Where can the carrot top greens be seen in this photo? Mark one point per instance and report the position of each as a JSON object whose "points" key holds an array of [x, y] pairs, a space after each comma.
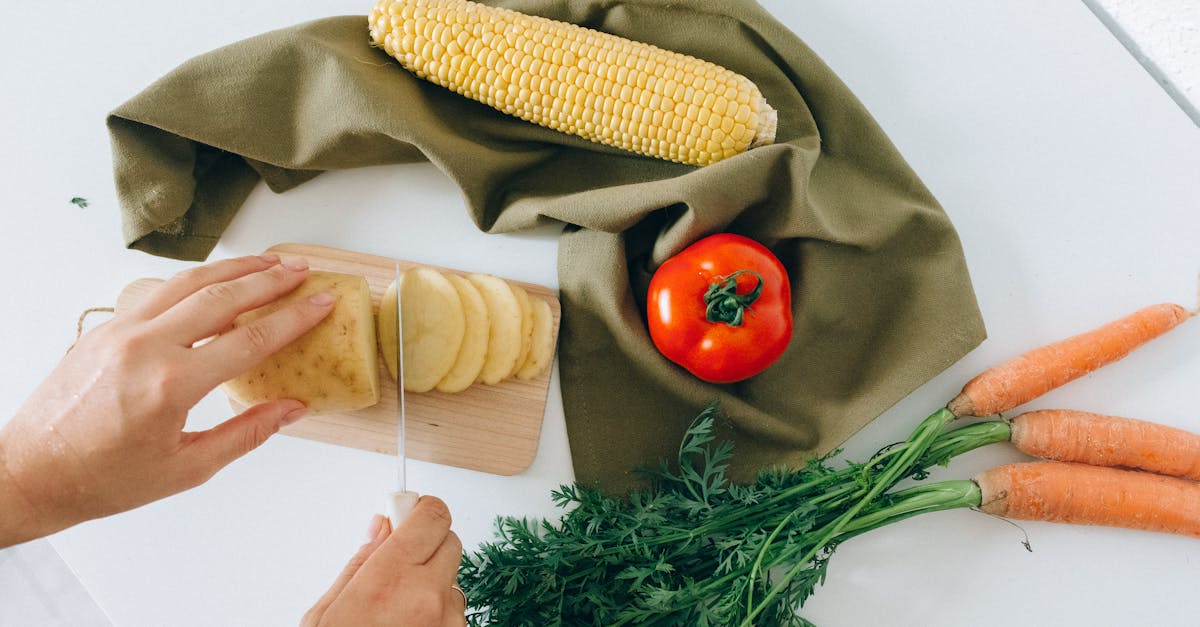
{"points": [[696, 549]]}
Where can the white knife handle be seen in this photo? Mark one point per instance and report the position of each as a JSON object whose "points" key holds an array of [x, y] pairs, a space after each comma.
{"points": [[400, 505]]}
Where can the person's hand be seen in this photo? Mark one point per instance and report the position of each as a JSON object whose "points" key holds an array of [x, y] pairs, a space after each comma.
{"points": [[104, 433], [399, 578]]}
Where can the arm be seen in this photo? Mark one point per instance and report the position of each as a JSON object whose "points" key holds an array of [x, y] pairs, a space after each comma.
{"points": [[104, 432], [19, 522]]}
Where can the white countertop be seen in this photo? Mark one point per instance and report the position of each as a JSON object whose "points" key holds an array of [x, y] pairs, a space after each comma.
{"points": [[1071, 176]]}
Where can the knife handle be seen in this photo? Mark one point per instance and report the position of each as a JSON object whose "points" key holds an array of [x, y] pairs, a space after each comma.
{"points": [[400, 505]]}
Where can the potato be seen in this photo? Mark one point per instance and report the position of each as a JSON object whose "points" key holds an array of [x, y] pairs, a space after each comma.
{"points": [[541, 350], [526, 326], [473, 352], [433, 323], [387, 329], [504, 340], [333, 367]]}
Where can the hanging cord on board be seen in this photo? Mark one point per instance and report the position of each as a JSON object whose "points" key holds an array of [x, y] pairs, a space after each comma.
{"points": [[82, 317]]}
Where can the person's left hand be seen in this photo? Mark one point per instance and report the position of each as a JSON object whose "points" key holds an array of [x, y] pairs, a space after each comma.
{"points": [[104, 433]]}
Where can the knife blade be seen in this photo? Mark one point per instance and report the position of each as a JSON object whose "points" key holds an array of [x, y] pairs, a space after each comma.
{"points": [[402, 501]]}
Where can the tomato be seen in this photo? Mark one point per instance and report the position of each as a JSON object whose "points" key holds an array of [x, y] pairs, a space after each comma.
{"points": [[721, 308]]}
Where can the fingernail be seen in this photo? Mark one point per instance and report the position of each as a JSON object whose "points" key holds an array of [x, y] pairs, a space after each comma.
{"points": [[375, 527], [293, 416], [271, 258], [295, 264], [322, 298]]}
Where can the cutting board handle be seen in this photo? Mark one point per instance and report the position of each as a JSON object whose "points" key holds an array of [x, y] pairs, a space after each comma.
{"points": [[135, 293]]}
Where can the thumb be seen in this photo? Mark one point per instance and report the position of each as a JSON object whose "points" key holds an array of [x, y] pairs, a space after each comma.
{"points": [[377, 532], [222, 444]]}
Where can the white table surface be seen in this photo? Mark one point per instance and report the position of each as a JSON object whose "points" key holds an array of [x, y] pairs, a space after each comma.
{"points": [[1072, 178]]}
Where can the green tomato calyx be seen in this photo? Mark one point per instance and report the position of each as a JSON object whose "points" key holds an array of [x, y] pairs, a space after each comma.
{"points": [[725, 304]]}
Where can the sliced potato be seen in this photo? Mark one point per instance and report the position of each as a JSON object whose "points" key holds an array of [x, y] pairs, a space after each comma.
{"points": [[473, 352], [433, 325], [504, 340], [541, 350], [387, 330], [526, 325], [331, 368]]}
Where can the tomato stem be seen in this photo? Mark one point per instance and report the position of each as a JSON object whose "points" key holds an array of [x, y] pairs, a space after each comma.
{"points": [[725, 304]]}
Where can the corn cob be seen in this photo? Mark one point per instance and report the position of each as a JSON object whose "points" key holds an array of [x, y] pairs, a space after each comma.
{"points": [[598, 86]]}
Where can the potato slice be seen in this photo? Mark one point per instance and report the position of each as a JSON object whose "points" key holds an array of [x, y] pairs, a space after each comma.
{"points": [[388, 339], [434, 325], [331, 368], [541, 350], [526, 326], [473, 352], [504, 340]]}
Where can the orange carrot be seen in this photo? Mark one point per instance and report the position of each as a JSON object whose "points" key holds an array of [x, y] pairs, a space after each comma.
{"points": [[1028, 376], [1099, 440], [1092, 495]]}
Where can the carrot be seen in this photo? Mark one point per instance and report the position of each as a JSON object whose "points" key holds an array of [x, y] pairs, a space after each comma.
{"points": [[1038, 371], [1091, 495], [1099, 440]]}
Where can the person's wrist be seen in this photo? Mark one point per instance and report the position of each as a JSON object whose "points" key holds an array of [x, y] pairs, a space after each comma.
{"points": [[20, 518]]}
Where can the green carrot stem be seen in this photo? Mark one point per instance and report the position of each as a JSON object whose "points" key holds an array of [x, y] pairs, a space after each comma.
{"points": [[758, 560], [953, 443], [946, 446], [934, 497], [899, 467], [920, 499]]}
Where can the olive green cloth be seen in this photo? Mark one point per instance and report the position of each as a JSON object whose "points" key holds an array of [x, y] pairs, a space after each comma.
{"points": [[882, 298]]}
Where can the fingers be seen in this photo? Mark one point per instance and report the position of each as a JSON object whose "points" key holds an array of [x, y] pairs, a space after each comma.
{"points": [[211, 450], [418, 538], [212, 308], [456, 610], [237, 351], [189, 281], [378, 531], [444, 566], [446, 558]]}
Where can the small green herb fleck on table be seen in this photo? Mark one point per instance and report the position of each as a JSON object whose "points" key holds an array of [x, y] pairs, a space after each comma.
{"points": [[80, 202]]}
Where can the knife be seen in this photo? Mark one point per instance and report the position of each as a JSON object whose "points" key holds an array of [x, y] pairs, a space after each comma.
{"points": [[402, 501]]}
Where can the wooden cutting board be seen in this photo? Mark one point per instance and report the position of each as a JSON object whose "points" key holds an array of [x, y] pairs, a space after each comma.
{"points": [[490, 428]]}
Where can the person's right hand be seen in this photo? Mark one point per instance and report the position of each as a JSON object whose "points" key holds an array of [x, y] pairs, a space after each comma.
{"points": [[403, 577]]}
